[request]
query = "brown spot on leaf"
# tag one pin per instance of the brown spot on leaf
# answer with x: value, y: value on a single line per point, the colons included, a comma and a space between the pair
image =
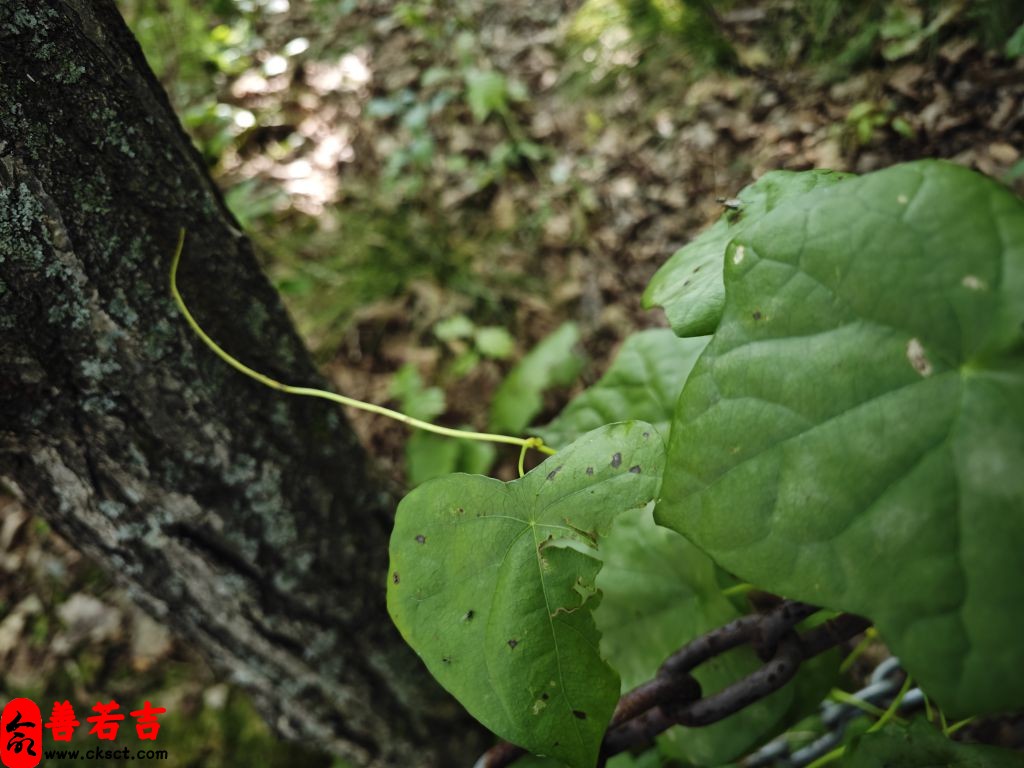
x: 590, y: 470
x: 469, y: 615
x: 635, y: 469
x: 757, y: 314
x: 513, y: 643
x: 579, y: 714
x: 544, y: 696
x: 616, y: 460
x: 395, y: 578
x: 553, y: 472
x: 421, y: 539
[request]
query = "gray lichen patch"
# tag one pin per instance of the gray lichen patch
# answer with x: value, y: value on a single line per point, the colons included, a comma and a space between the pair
x: 22, y: 238
x: 111, y: 132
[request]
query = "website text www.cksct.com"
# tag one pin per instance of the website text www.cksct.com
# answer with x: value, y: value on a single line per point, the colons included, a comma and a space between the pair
x: 99, y: 753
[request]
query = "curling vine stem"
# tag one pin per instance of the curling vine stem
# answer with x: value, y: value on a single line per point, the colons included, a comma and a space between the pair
x: 524, y: 442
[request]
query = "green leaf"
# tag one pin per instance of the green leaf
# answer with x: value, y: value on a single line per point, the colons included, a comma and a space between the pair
x: 414, y: 399
x: 454, y: 327
x: 910, y: 39
x: 464, y: 363
x: 494, y: 341
x: 660, y: 592
x: 1015, y: 45
x: 921, y: 745
x: 642, y: 383
x: 475, y: 457
x: 853, y: 435
x: 689, y: 285
x: 428, y: 456
x: 553, y: 362
x: 492, y: 585
x: 486, y: 92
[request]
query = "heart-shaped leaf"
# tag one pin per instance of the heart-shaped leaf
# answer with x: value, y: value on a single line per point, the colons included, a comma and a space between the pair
x: 490, y: 583
x: 853, y: 435
x: 643, y: 383
x: 689, y: 285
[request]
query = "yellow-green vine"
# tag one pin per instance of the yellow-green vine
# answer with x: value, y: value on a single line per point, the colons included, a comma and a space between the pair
x: 525, y: 443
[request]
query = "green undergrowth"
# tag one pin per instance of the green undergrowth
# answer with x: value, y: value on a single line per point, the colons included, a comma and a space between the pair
x: 370, y: 255
x: 831, y: 38
x: 390, y: 233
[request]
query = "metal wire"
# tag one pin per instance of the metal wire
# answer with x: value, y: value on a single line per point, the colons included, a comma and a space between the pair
x: 883, y: 686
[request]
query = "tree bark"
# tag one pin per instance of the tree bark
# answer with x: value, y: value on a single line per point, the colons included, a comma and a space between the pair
x: 246, y: 520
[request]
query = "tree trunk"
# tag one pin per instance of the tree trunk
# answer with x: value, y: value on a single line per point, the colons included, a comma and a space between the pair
x: 245, y: 519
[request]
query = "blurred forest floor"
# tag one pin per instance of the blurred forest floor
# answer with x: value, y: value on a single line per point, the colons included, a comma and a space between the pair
x: 434, y: 187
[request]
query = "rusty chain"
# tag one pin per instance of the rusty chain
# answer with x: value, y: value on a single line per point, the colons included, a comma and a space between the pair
x: 674, y: 697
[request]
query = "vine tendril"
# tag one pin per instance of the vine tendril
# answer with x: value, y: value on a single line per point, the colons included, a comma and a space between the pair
x: 525, y: 443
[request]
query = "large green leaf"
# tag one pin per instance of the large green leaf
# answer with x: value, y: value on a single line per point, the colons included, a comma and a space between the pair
x: 491, y: 585
x: 659, y: 592
x: 643, y: 383
x: 551, y: 363
x: 853, y: 435
x: 689, y: 285
x: 921, y: 745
